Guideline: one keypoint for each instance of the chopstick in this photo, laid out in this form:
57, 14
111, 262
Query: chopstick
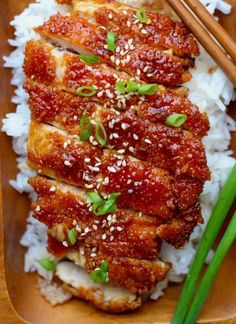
211, 272
214, 27
204, 37
219, 213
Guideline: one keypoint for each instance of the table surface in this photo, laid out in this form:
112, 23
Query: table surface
7, 313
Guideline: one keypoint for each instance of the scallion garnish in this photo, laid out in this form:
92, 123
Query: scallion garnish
176, 120
101, 275
102, 206
72, 236
91, 59
148, 89
142, 16
219, 213
47, 264
86, 91
126, 86
85, 127
101, 134
111, 41
211, 272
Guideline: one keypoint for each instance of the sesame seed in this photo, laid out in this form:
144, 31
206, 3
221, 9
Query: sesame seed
138, 72
111, 169
67, 163
129, 181
65, 145
112, 238
112, 228
95, 227
64, 243
78, 229
125, 12
119, 229
88, 186
74, 222
124, 163
117, 62
121, 151
113, 58
75, 118
104, 236
93, 255
52, 189
144, 32
130, 41
37, 209
91, 168
87, 230
115, 135
131, 149
147, 141
118, 49
130, 191
87, 160
100, 94
128, 23
110, 16
135, 136
105, 181
124, 126
146, 69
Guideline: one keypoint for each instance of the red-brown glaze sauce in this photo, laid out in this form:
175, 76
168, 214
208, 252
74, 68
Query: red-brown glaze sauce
82, 35
161, 31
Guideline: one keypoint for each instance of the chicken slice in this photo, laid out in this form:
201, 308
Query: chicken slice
46, 64
130, 236
160, 144
62, 207
142, 186
160, 31
156, 108
76, 33
107, 297
66, 158
67, 71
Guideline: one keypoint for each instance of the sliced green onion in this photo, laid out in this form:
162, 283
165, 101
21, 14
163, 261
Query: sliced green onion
101, 206
111, 41
86, 91
101, 275
90, 59
85, 127
109, 206
47, 264
126, 86
72, 236
211, 272
176, 120
148, 89
101, 134
219, 213
142, 16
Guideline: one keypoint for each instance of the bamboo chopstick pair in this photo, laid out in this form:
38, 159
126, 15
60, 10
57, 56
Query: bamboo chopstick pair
188, 10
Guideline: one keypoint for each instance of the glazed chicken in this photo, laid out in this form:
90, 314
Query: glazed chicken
115, 177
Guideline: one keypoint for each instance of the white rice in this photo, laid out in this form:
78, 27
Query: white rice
211, 92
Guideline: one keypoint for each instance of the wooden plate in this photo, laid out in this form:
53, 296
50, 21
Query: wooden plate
21, 287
